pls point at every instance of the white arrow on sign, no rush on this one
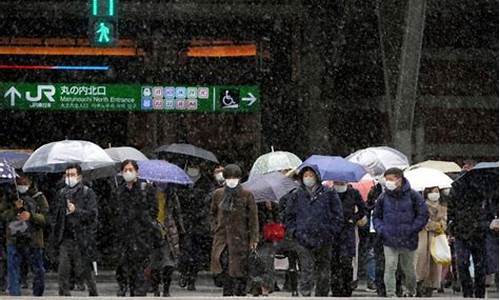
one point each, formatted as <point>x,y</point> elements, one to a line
<point>13,93</point>
<point>250,99</point>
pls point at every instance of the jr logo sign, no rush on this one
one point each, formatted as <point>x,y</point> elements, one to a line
<point>48,91</point>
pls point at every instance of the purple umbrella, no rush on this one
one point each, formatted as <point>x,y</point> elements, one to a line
<point>335,168</point>
<point>16,159</point>
<point>270,187</point>
<point>160,171</point>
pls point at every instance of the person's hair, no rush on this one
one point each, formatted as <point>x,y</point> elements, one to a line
<point>394,171</point>
<point>470,162</point>
<point>75,166</point>
<point>232,171</point>
<point>130,161</point>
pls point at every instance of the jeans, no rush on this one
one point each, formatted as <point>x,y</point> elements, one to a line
<point>370,257</point>
<point>314,265</point>
<point>464,249</point>
<point>34,256</point>
<point>408,267</point>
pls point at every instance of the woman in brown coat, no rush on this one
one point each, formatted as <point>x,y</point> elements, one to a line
<point>235,228</point>
<point>428,272</point>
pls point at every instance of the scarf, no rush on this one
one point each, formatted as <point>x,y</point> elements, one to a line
<point>230,195</point>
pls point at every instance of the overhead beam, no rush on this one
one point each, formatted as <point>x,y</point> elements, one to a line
<point>153,10</point>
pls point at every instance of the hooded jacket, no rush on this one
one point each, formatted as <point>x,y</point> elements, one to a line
<point>314,219</point>
<point>399,216</point>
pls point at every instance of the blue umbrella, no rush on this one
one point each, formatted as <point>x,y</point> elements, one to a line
<point>7,172</point>
<point>335,168</point>
<point>15,159</point>
<point>270,187</point>
<point>160,171</point>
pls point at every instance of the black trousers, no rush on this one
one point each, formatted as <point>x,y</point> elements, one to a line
<point>477,249</point>
<point>314,268</point>
<point>69,252</point>
<point>130,273</point>
<point>164,276</point>
<point>341,276</point>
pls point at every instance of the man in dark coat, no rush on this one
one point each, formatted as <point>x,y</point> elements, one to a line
<point>235,227</point>
<point>136,230</point>
<point>344,249</point>
<point>197,242</point>
<point>314,219</point>
<point>468,223</point>
<point>399,215</point>
<point>74,231</point>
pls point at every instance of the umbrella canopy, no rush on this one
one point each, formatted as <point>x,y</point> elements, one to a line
<point>421,178</point>
<point>275,161</point>
<point>335,168</point>
<point>189,150</point>
<point>7,172</point>
<point>483,174</point>
<point>376,160</point>
<point>15,159</point>
<point>55,157</point>
<point>270,187</point>
<point>364,186</point>
<point>443,166</point>
<point>160,171</point>
<point>121,154</point>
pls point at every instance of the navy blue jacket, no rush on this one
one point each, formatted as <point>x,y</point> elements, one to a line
<point>314,221</point>
<point>398,218</point>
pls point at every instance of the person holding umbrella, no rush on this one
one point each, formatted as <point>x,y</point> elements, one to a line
<point>313,218</point>
<point>25,243</point>
<point>234,223</point>
<point>344,250</point>
<point>74,230</point>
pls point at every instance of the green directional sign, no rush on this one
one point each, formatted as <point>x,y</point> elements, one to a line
<point>132,97</point>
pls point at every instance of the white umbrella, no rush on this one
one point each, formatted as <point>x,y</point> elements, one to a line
<point>273,162</point>
<point>120,154</point>
<point>443,166</point>
<point>421,178</point>
<point>376,160</point>
<point>55,157</point>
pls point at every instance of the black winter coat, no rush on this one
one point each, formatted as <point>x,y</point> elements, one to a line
<point>83,220</point>
<point>136,229</point>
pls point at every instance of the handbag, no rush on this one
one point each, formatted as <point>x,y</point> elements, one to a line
<point>274,232</point>
<point>440,250</point>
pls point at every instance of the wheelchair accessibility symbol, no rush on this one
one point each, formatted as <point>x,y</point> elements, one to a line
<point>230,99</point>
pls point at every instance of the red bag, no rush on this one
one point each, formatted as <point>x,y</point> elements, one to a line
<point>274,232</point>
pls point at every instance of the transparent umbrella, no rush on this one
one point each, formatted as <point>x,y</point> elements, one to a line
<point>274,161</point>
<point>378,159</point>
<point>56,156</point>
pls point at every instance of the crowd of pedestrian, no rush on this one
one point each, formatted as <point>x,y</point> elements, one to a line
<point>321,228</point>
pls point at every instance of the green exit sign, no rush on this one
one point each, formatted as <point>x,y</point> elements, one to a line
<point>103,23</point>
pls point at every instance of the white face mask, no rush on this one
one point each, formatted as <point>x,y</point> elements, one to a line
<point>22,188</point>
<point>309,181</point>
<point>391,185</point>
<point>232,183</point>
<point>433,197</point>
<point>72,181</point>
<point>446,192</point>
<point>129,176</point>
<point>340,188</point>
<point>381,181</point>
<point>219,177</point>
<point>193,172</point>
